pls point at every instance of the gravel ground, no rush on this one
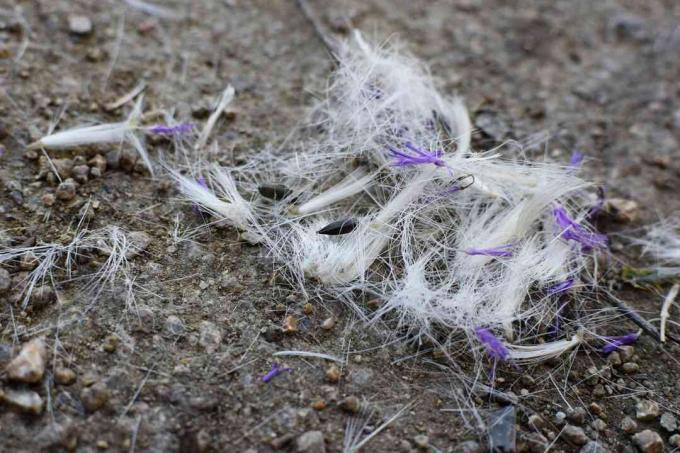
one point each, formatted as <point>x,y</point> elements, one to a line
<point>181,368</point>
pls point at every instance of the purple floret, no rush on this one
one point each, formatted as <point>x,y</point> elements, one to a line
<point>178,129</point>
<point>494,347</point>
<point>614,343</point>
<point>572,231</point>
<point>576,159</point>
<point>560,287</point>
<point>501,250</point>
<point>420,157</point>
<point>275,371</point>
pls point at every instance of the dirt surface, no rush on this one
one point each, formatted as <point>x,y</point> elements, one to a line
<point>181,368</point>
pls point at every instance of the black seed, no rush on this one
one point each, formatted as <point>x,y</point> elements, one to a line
<point>274,191</point>
<point>339,227</point>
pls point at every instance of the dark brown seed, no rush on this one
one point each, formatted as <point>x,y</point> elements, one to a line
<point>273,191</point>
<point>339,227</point>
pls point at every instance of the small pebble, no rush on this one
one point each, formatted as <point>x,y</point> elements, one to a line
<point>668,422</point>
<point>64,376</point>
<point>79,25</point>
<point>469,446</point>
<point>66,190</point>
<point>5,280</point>
<point>98,162</point>
<point>614,359</point>
<point>311,442</point>
<point>333,374</point>
<point>560,418</point>
<point>628,425</point>
<point>648,441</point>
<point>319,404</point>
<point>139,241</point>
<point>328,323</point>
<point>290,324</point>
<point>95,397</point>
<point>592,447</point>
<point>308,308</point>
<point>631,367</point>
<point>351,404</point>
<point>29,365</point>
<point>174,326</point>
<point>577,415</point>
<point>49,199</point>
<point>599,424</point>
<point>626,352</point>
<point>575,435</point>
<point>110,343</point>
<point>210,336</point>
<point>674,440</point>
<point>596,409</point>
<point>24,400</point>
<point>421,441</point>
<point>646,410</point>
<point>80,172</point>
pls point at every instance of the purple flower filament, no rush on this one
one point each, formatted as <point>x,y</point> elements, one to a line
<point>179,129</point>
<point>419,157</point>
<point>275,371</point>
<point>501,250</point>
<point>560,287</point>
<point>614,343</point>
<point>494,348</point>
<point>572,231</point>
<point>576,159</point>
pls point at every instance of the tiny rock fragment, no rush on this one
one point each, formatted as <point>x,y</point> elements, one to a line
<point>64,376</point>
<point>29,365</point>
<point>5,280</point>
<point>648,441</point>
<point>80,173</point>
<point>614,359</point>
<point>575,435</point>
<point>98,162</point>
<point>42,296</point>
<point>631,367</point>
<point>66,190</point>
<point>311,442</point>
<point>308,309</point>
<point>79,25</point>
<point>49,199</point>
<point>110,343</point>
<point>174,326</point>
<point>351,404</point>
<point>319,404</point>
<point>210,336</point>
<point>668,422</point>
<point>674,440</point>
<point>628,425</point>
<point>577,415</point>
<point>592,447</point>
<point>25,400</point>
<point>328,323</point>
<point>290,324</point>
<point>421,441</point>
<point>646,410</point>
<point>623,210</point>
<point>333,374</point>
<point>502,432</point>
<point>140,241</point>
<point>95,397</point>
<point>28,262</point>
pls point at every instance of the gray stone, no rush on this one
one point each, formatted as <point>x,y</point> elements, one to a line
<point>5,280</point>
<point>421,441</point>
<point>669,422</point>
<point>210,336</point>
<point>575,435</point>
<point>674,440</point>
<point>29,365</point>
<point>79,25</point>
<point>599,424</point>
<point>592,447</point>
<point>628,425</point>
<point>648,441</point>
<point>646,410</point>
<point>174,326</point>
<point>95,397</point>
<point>311,442</point>
<point>67,190</point>
<point>25,400</point>
<point>577,415</point>
<point>139,242</point>
<point>631,367</point>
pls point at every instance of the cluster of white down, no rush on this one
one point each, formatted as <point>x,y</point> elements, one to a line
<point>413,224</point>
